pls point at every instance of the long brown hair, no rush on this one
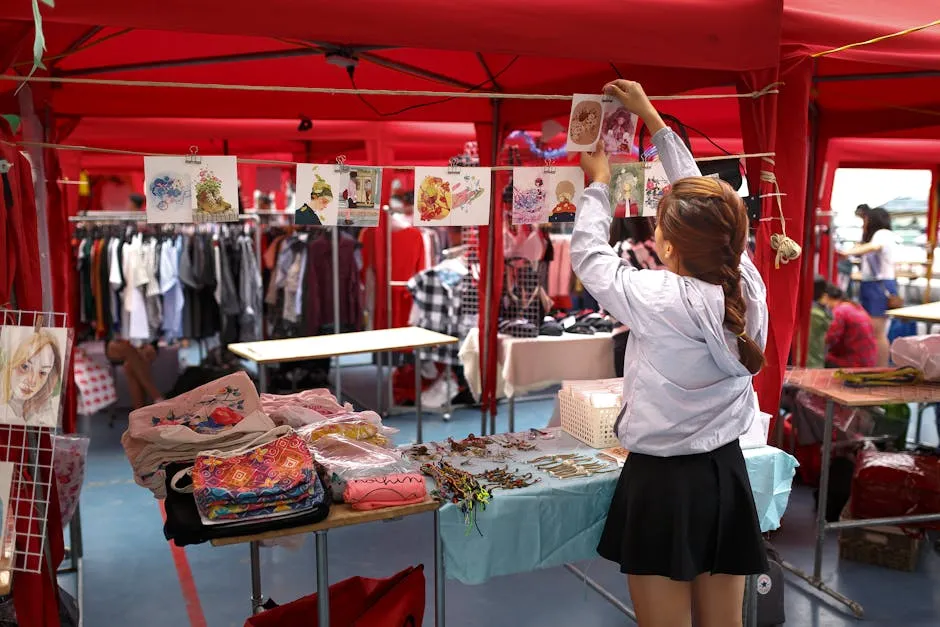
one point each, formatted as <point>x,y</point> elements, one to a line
<point>705,220</point>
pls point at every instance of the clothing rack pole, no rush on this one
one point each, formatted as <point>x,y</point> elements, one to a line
<point>336,310</point>
<point>491,237</point>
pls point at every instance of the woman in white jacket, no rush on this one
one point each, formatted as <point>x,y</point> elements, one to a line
<point>682,523</point>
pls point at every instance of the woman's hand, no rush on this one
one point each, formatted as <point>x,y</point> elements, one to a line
<point>634,99</point>
<point>595,165</point>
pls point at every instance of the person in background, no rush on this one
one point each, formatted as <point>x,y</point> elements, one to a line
<point>850,340</point>
<point>877,251</point>
<point>820,318</point>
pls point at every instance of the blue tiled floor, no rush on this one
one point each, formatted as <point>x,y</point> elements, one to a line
<point>129,571</point>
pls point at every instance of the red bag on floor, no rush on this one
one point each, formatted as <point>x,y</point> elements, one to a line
<point>896,484</point>
<point>357,602</point>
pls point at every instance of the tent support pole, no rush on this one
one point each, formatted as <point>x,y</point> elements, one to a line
<point>933,219</point>
<point>809,229</point>
<point>487,292</point>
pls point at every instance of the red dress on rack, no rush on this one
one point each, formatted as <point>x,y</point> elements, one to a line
<point>407,260</point>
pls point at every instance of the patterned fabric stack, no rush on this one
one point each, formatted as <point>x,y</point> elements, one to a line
<point>269,478</point>
<point>223,415</point>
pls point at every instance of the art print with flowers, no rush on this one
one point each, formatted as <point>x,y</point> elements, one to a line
<point>215,190</point>
<point>32,363</point>
<point>185,190</point>
<point>657,184</point>
<point>210,414</point>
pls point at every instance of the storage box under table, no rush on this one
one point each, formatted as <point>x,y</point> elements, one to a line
<point>887,546</point>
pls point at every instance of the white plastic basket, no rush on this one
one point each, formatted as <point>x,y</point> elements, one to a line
<point>591,425</point>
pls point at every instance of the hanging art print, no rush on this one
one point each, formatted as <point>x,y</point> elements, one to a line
<point>541,195</point>
<point>168,189</point>
<point>318,195</point>
<point>359,196</point>
<point>452,196</point>
<point>181,189</point>
<point>215,190</point>
<point>31,367</point>
<point>594,118</point>
<point>627,184</point>
<point>657,184</point>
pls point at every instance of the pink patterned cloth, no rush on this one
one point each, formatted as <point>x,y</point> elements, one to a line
<point>385,491</point>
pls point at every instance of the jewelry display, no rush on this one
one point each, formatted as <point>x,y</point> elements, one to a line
<point>502,478</point>
<point>460,488</point>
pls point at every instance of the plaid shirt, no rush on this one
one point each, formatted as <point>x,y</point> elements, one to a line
<point>438,300</point>
<point>850,340</point>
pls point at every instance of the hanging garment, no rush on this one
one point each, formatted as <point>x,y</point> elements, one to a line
<point>249,291</point>
<point>437,300</point>
<point>172,289</point>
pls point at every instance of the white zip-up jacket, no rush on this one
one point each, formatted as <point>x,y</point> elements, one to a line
<point>684,389</point>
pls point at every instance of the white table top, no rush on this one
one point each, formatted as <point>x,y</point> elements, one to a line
<point>334,345</point>
<point>918,313</point>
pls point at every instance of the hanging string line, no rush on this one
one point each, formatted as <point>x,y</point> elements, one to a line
<point>772,88</point>
<point>787,249</point>
<point>136,153</point>
<point>874,40</point>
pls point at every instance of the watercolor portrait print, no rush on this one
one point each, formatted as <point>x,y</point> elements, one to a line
<point>318,190</point>
<point>627,189</point>
<point>168,190</point>
<point>618,129</point>
<point>545,195</point>
<point>529,198</point>
<point>584,123</point>
<point>446,198</point>
<point>359,198</point>
<point>31,367</point>
<point>215,189</point>
<point>566,187</point>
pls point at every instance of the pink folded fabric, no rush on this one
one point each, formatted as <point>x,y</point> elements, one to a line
<point>385,491</point>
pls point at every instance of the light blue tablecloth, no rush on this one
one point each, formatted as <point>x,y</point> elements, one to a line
<point>559,521</point>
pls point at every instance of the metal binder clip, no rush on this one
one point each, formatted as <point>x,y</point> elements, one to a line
<point>193,156</point>
<point>5,166</point>
<point>341,164</point>
<point>549,167</point>
<point>454,166</point>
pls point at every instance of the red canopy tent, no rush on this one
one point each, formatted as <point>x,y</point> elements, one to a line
<point>415,46</point>
<point>887,87</point>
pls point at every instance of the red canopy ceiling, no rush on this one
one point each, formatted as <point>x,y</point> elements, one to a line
<point>743,35</point>
<point>884,88</point>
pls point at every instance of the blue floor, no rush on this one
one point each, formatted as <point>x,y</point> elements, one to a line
<point>129,569</point>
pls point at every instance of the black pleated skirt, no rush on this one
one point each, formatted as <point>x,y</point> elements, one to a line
<point>680,517</point>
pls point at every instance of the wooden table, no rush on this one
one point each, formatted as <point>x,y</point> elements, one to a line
<point>288,350</point>
<point>342,516</point>
<point>824,383</point>
<point>929,314</point>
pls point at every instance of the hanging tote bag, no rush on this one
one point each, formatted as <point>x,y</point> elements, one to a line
<point>357,602</point>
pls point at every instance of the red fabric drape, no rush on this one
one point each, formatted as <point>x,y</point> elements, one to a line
<point>35,595</point>
<point>785,134</point>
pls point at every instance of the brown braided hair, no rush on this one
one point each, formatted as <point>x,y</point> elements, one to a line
<point>706,222</point>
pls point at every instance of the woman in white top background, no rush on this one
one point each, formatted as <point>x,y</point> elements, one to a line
<point>877,251</point>
<point>682,522</point>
